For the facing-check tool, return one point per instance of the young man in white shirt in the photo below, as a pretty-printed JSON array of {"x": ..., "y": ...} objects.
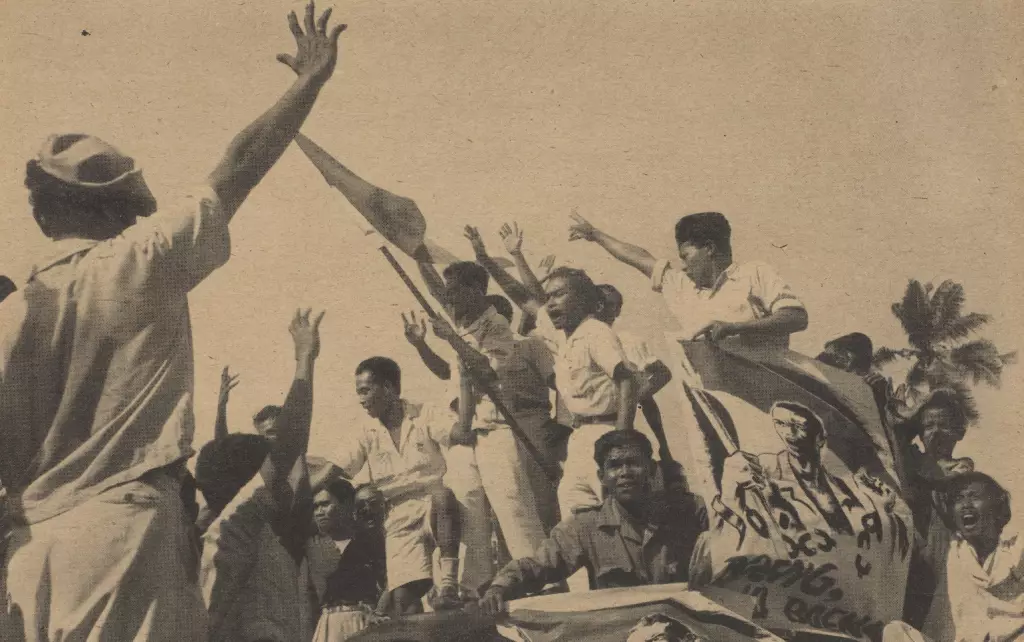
[
  {"x": 712, "y": 296},
  {"x": 99, "y": 459},
  {"x": 593, "y": 376},
  {"x": 402, "y": 445}
]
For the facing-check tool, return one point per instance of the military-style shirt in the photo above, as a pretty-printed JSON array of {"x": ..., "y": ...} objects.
[{"x": 615, "y": 549}]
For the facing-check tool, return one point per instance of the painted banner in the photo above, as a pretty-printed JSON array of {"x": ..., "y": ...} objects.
[{"x": 808, "y": 527}]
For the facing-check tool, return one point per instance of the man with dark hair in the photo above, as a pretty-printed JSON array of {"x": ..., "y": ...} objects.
[
  {"x": 709, "y": 294},
  {"x": 253, "y": 549},
  {"x": 347, "y": 564},
  {"x": 403, "y": 448},
  {"x": 634, "y": 538},
  {"x": 94, "y": 465},
  {"x": 982, "y": 591},
  {"x": 851, "y": 352},
  {"x": 517, "y": 485},
  {"x": 593, "y": 376}
]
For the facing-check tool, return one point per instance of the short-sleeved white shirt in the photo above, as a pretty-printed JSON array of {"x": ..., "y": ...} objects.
[
  {"x": 96, "y": 363},
  {"x": 744, "y": 292},
  {"x": 414, "y": 468},
  {"x": 249, "y": 580},
  {"x": 585, "y": 368},
  {"x": 987, "y": 596},
  {"x": 637, "y": 350}
]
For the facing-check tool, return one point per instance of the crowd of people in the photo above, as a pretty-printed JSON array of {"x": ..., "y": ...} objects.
[{"x": 535, "y": 472}]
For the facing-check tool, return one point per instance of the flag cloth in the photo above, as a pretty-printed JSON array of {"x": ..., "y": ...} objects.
[
  {"x": 612, "y": 615},
  {"x": 396, "y": 218},
  {"x": 828, "y": 550}
]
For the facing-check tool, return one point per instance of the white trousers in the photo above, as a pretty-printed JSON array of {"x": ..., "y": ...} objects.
[
  {"x": 120, "y": 567},
  {"x": 580, "y": 486}
]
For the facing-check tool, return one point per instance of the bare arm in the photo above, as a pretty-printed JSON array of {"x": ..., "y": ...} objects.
[
  {"x": 785, "y": 321},
  {"x": 632, "y": 255},
  {"x": 514, "y": 290},
  {"x": 628, "y": 389},
  {"x": 259, "y": 146},
  {"x": 462, "y": 433},
  {"x": 227, "y": 384},
  {"x": 513, "y": 239},
  {"x": 296, "y": 416},
  {"x": 416, "y": 334}
]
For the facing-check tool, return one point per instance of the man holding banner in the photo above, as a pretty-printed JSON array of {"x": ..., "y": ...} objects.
[{"x": 710, "y": 295}]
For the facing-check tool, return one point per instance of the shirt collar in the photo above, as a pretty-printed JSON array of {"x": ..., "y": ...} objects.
[
  {"x": 61, "y": 251},
  {"x": 728, "y": 274}
]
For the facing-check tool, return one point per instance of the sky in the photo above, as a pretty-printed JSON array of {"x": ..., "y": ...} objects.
[{"x": 853, "y": 145}]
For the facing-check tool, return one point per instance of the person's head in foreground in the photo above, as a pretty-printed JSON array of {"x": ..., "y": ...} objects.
[
  {"x": 265, "y": 421},
  {"x": 980, "y": 508},
  {"x": 224, "y": 466},
  {"x": 379, "y": 386},
  {"x": 610, "y": 305},
  {"x": 659, "y": 627},
  {"x": 465, "y": 291},
  {"x": 334, "y": 509},
  {"x": 501, "y": 305},
  {"x": 7, "y": 287},
  {"x": 705, "y": 246},
  {"x": 941, "y": 423},
  {"x": 800, "y": 430},
  {"x": 82, "y": 187},
  {"x": 625, "y": 466},
  {"x": 370, "y": 508},
  {"x": 850, "y": 352},
  {"x": 571, "y": 298}
]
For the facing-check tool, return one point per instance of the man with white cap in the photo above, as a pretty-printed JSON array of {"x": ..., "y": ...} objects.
[{"x": 96, "y": 378}]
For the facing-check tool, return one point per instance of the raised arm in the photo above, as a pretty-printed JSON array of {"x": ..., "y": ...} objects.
[
  {"x": 416, "y": 334},
  {"x": 296, "y": 415},
  {"x": 514, "y": 290},
  {"x": 228, "y": 382},
  {"x": 259, "y": 146},
  {"x": 512, "y": 236},
  {"x": 632, "y": 255},
  {"x": 782, "y": 322},
  {"x": 628, "y": 397}
]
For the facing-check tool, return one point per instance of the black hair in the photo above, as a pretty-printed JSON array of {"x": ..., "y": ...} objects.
[
  {"x": 7, "y": 287},
  {"x": 267, "y": 412},
  {"x": 341, "y": 490},
  {"x": 944, "y": 398},
  {"x": 582, "y": 283},
  {"x": 224, "y": 466},
  {"x": 501, "y": 305},
  {"x": 467, "y": 273},
  {"x": 705, "y": 228},
  {"x": 857, "y": 343},
  {"x": 814, "y": 422},
  {"x": 384, "y": 370},
  {"x": 61, "y": 209},
  {"x": 956, "y": 484},
  {"x": 621, "y": 439}
]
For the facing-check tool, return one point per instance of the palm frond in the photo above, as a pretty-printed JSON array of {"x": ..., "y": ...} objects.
[
  {"x": 914, "y": 314},
  {"x": 961, "y": 327},
  {"x": 967, "y": 402},
  {"x": 947, "y": 302},
  {"x": 885, "y": 356},
  {"x": 1009, "y": 358},
  {"x": 978, "y": 361}
]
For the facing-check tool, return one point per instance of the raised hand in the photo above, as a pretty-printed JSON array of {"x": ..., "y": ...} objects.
[
  {"x": 512, "y": 236},
  {"x": 475, "y": 240},
  {"x": 415, "y": 333},
  {"x": 228, "y": 382},
  {"x": 306, "y": 334},
  {"x": 317, "y": 49},
  {"x": 547, "y": 264},
  {"x": 581, "y": 229}
]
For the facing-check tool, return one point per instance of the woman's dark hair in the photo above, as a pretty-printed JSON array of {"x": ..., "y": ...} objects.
[
  {"x": 61, "y": 209},
  {"x": 341, "y": 490}
]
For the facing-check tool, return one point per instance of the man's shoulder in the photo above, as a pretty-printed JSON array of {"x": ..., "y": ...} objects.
[{"x": 751, "y": 269}]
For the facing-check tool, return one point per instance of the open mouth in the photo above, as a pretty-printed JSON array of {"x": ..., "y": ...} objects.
[{"x": 969, "y": 519}]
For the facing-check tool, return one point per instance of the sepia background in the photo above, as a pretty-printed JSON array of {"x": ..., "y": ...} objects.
[{"x": 853, "y": 145}]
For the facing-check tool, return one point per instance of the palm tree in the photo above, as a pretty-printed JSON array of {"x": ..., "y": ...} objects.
[{"x": 944, "y": 347}]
